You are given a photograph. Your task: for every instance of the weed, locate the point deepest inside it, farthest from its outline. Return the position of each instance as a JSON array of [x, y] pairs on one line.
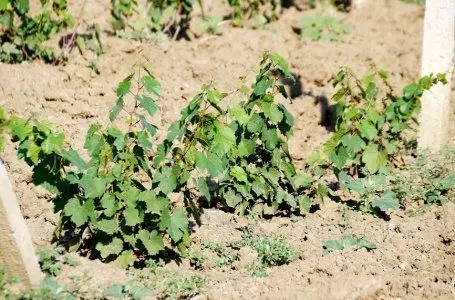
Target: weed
[[321, 27], [210, 25], [373, 192], [226, 255], [348, 241], [196, 259], [254, 13], [50, 260], [270, 252], [430, 179], [163, 16], [169, 284]]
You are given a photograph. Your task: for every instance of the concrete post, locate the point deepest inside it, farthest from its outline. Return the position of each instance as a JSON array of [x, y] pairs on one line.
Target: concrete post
[[437, 57], [17, 254]]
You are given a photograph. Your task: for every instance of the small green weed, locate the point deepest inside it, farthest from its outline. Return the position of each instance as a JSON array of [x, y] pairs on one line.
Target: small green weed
[[373, 192], [226, 255], [52, 260], [128, 290], [348, 241], [254, 13], [321, 27], [210, 25], [430, 179], [169, 284], [270, 252]]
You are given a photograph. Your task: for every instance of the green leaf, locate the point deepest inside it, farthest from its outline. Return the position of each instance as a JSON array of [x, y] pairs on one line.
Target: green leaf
[[255, 124], [223, 140], [113, 114], [79, 214], [110, 247], [151, 85], [74, 158], [353, 143], [373, 158], [204, 188], [272, 112], [178, 224], [94, 187], [124, 260], [371, 91], [367, 130], [152, 241], [124, 87], [303, 180], [239, 114], [33, 152], [245, 148], [305, 203], [261, 86], [115, 290], [148, 104], [132, 216], [232, 198], [239, 173], [53, 143], [166, 179], [108, 226], [388, 200], [108, 202]]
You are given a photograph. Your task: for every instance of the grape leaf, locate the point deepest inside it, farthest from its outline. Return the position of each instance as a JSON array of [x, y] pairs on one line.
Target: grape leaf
[[110, 247]]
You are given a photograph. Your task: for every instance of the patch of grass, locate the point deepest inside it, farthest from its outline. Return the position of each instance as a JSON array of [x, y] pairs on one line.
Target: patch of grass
[[52, 260], [270, 251], [168, 284], [226, 256], [429, 179]]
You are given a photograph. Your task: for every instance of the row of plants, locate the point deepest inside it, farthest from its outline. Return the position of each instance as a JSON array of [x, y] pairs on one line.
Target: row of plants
[[134, 198], [24, 34]]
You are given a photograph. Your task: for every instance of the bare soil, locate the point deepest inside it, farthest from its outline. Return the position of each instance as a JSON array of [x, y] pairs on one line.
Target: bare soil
[[415, 255]]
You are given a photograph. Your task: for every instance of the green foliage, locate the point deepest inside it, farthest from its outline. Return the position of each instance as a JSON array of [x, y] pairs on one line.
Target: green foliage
[[49, 260], [226, 256], [243, 149], [48, 289], [91, 47], [418, 2], [322, 28], [270, 252], [23, 35], [133, 18], [429, 179], [254, 13], [348, 242], [373, 126], [128, 290], [169, 284], [372, 192], [114, 199], [210, 25]]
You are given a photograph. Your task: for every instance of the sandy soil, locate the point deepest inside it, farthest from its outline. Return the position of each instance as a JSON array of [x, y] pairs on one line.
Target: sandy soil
[[413, 261]]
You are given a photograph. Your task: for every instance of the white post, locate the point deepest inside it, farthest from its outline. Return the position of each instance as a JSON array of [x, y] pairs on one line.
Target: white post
[[437, 57], [17, 254]]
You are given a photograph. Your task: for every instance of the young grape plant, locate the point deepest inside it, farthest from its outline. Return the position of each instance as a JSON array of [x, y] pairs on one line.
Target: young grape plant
[[135, 19], [254, 13], [22, 34]]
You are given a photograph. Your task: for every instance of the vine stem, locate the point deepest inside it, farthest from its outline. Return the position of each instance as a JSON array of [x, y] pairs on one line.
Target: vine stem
[[69, 45]]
